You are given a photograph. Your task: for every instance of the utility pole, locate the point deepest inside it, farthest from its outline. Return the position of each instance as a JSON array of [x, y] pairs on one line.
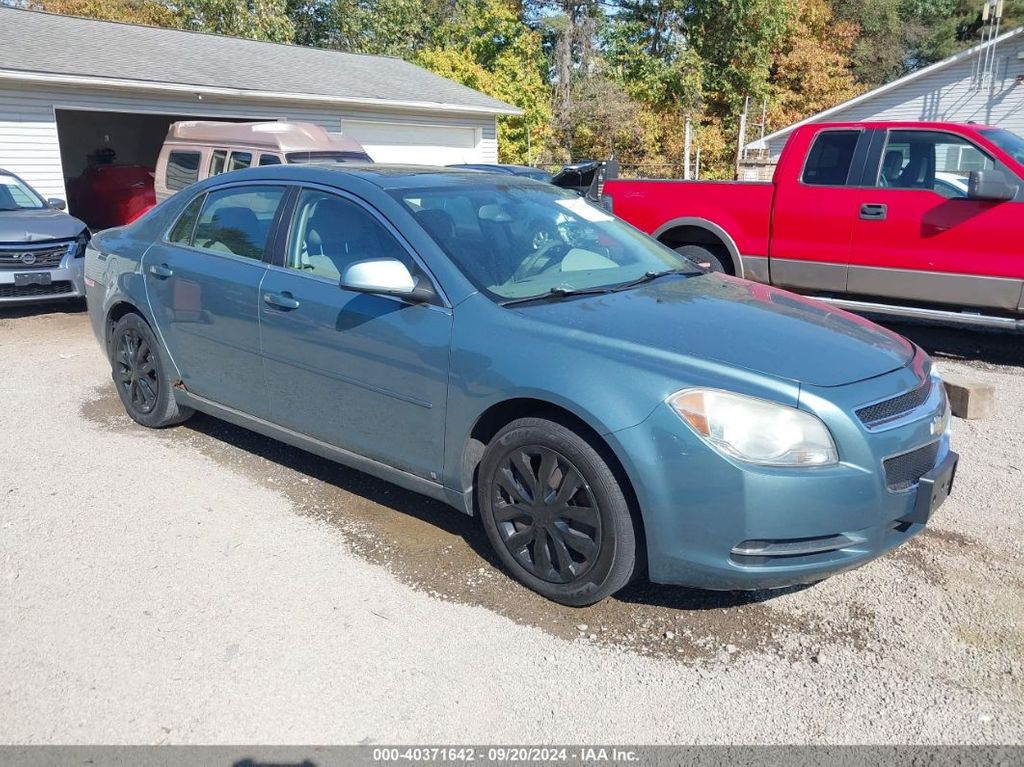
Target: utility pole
[[696, 175], [687, 146], [742, 138]]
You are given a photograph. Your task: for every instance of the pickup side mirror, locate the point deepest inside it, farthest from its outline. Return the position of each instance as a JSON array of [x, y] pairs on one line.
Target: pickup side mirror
[[991, 185], [56, 202], [389, 277]]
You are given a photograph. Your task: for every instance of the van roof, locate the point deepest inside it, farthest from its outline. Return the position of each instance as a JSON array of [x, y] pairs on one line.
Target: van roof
[[281, 136]]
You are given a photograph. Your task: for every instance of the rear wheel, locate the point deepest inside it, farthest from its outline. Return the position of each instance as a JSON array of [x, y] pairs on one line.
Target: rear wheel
[[702, 257], [141, 375], [555, 513]]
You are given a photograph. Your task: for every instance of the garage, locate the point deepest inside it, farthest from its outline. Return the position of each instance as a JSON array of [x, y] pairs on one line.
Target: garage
[[418, 144], [108, 92]]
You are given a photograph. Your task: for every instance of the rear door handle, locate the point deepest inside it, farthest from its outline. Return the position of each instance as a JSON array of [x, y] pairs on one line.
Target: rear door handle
[[873, 211], [281, 300], [161, 271]]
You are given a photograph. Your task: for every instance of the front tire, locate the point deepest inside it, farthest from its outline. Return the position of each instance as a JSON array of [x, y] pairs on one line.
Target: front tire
[[141, 375], [703, 258], [555, 513]]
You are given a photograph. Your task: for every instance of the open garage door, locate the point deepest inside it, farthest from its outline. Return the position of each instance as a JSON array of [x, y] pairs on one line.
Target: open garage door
[[129, 140], [417, 144]]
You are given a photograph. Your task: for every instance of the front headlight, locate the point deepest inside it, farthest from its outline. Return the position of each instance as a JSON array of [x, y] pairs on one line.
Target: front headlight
[[81, 242], [756, 430]]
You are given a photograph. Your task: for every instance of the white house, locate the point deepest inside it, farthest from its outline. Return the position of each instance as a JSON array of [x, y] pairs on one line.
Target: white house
[[983, 84], [71, 87]]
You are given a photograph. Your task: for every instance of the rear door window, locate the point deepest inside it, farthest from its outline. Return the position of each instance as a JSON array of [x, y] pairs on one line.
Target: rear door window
[[238, 220], [181, 234], [182, 169], [831, 158]]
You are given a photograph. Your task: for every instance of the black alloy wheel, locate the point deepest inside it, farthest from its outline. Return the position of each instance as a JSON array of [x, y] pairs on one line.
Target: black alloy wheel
[[556, 511], [546, 514], [136, 372]]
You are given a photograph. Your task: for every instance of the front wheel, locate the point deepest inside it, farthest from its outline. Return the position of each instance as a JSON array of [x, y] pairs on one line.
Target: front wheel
[[141, 375], [555, 513], [703, 257]]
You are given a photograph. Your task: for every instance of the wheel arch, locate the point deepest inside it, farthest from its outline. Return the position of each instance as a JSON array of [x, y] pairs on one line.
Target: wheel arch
[[490, 422], [692, 230], [115, 312]]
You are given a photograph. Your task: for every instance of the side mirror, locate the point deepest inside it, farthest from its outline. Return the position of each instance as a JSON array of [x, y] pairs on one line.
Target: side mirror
[[56, 202], [990, 184], [389, 277]]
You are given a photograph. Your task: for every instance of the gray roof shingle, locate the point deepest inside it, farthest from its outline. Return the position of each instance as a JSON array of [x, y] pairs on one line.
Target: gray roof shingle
[[35, 42]]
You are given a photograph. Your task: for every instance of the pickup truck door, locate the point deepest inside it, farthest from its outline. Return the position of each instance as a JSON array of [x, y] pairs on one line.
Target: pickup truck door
[[813, 214], [919, 239]]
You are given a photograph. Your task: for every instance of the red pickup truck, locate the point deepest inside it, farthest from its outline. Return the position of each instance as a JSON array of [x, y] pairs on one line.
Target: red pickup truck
[[914, 219]]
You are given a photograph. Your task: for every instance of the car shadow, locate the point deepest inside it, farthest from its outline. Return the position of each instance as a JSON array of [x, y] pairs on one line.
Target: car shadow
[[444, 518], [969, 345]]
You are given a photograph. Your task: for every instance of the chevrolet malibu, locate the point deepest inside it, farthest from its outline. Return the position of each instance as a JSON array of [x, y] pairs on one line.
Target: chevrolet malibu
[[608, 410]]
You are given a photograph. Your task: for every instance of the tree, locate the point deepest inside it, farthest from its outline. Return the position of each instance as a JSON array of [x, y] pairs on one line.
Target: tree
[[256, 19], [149, 12], [812, 68], [486, 46]]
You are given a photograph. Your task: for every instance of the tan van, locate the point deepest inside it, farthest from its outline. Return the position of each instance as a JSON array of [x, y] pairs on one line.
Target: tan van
[[194, 150]]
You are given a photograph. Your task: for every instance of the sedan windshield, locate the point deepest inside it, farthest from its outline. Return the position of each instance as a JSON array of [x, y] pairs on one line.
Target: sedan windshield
[[1009, 142], [525, 240], [15, 194]]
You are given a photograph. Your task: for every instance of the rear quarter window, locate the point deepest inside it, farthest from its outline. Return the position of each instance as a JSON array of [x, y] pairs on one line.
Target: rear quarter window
[[830, 158]]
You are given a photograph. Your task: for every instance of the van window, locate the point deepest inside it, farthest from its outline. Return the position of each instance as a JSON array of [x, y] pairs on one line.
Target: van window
[[830, 158], [217, 161], [269, 159], [182, 169], [240, 160]]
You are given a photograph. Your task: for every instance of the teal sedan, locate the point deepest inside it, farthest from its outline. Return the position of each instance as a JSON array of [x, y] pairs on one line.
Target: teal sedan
[[608, 410]]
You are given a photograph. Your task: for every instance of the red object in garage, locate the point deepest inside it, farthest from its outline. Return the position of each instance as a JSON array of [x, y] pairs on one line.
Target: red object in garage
[[113, 195]]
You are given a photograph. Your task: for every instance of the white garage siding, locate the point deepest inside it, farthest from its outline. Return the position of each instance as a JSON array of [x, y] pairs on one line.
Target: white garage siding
[[945, 93], [29, 144]]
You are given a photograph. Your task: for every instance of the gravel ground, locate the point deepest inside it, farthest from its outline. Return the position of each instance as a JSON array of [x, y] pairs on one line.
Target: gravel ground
[[205, 585]]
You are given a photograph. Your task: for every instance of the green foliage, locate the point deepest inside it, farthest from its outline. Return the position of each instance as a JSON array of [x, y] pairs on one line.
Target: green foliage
[[257, 19]]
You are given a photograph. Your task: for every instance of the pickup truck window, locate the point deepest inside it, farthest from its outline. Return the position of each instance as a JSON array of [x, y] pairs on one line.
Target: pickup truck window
[[830, 158], [932, 160]]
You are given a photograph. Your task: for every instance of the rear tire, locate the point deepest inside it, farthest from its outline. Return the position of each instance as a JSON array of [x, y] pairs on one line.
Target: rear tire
[[141, 374], [555, 513], [703, 257]]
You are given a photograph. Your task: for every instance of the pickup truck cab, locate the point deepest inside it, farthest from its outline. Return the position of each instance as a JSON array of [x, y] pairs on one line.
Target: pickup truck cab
[[914, 219]]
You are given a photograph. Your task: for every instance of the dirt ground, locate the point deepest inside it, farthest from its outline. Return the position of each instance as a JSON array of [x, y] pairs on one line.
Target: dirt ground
[[923, 645]]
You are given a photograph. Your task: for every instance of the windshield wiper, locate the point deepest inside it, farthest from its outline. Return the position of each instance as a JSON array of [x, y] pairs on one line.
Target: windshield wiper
[[652, 276], [557, 294]]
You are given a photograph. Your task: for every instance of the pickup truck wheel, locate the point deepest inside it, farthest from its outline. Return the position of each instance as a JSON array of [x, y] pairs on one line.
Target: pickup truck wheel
[[140, 373], [555, 513], [702, 257]]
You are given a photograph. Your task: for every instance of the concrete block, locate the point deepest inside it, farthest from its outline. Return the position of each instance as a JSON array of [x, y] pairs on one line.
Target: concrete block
[[970, 399]]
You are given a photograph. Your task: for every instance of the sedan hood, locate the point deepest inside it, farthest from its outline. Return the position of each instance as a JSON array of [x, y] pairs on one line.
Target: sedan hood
[[739, 323], [17, 226]]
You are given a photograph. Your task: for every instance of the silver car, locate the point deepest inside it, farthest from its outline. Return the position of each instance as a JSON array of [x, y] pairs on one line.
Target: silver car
[[41, 246]]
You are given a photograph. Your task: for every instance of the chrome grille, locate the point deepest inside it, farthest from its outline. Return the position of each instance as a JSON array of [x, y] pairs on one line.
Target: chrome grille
[[890, 409], [32, 291], [31, 255], [904, 471]]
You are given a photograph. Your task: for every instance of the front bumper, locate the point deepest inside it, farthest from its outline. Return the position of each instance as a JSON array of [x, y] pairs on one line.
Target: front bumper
[[719, 524], [65, 281]]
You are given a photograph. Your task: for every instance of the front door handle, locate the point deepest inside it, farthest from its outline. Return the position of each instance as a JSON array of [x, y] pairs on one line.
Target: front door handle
[[161, 271], [281, 300], [873, 211]]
